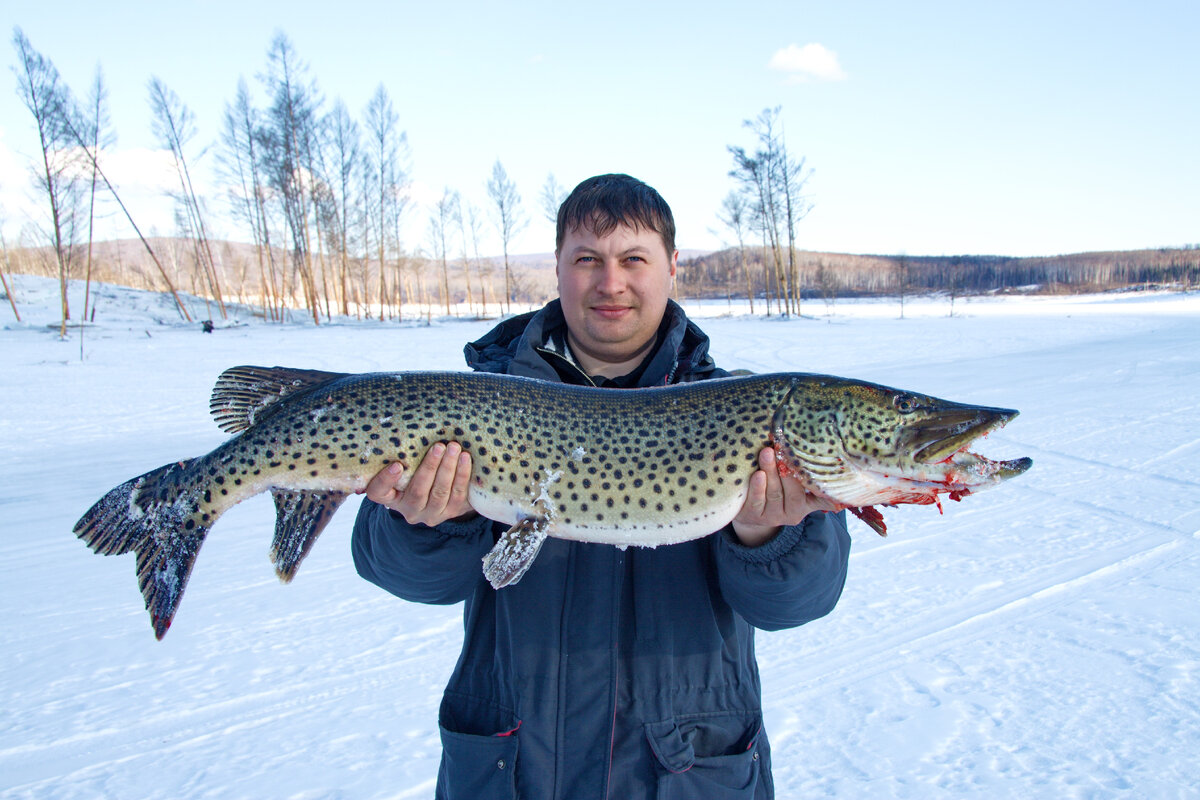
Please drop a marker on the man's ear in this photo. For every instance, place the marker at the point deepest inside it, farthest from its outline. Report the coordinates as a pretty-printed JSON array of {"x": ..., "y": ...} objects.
[{"x": 674, "y": 262}]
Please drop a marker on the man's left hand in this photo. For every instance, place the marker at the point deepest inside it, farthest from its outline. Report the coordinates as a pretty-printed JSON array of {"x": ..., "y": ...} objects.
[{"x": 773, "y": 502}]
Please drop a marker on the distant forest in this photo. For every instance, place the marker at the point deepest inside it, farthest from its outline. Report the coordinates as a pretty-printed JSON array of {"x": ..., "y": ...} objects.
[
  {"x": 737, "y": 272},
  {"x": 732, "y": 273}
]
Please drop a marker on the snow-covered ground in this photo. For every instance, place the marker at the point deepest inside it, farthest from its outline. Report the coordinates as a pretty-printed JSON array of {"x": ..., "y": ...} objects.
[{"x": 1041, "y": 640}]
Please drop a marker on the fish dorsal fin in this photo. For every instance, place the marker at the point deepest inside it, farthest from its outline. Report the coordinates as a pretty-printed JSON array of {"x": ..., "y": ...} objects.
[{"x": 243, "y": 395}]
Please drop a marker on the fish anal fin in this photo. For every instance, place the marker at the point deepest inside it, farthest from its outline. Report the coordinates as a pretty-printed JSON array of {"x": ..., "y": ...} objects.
[
  {"x": 243, "y": 395},
  {"x": 299, "y": 519},
  {"x": 515, "y": 551}
]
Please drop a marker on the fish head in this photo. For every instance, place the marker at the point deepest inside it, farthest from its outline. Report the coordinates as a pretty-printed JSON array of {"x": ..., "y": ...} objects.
[{"x": 861, "y": 444}]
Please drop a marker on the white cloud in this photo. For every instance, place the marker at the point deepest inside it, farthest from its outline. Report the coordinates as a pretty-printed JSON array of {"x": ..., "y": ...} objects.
[
  {"x": 808, "y": 62},
  {"x": 142, "y": 169}
]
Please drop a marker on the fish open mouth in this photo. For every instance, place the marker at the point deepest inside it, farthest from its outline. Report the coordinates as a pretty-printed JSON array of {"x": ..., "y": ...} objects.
[{"x": 946, "y": 436}]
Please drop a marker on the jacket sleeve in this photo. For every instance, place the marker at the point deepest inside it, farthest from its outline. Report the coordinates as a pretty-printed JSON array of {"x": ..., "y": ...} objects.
[
  {"x": 792, "y": 579},
  {"x": 418, "y": 563}
]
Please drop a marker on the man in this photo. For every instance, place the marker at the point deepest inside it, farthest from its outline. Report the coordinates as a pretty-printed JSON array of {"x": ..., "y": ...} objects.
[{"x": 604, "y": 673}]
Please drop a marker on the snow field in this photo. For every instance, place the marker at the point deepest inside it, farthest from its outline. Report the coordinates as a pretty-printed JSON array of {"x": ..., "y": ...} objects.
[{"x": 1039, "y": 640}]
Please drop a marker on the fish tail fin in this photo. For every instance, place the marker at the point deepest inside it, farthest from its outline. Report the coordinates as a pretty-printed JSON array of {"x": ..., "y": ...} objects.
[
  {"x": 162, "y": 518},
  {"x": 299, "y": 519}
]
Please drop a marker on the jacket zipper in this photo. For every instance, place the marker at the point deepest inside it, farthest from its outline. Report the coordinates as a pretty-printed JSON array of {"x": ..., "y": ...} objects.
[{"x": 614, "y": 665}]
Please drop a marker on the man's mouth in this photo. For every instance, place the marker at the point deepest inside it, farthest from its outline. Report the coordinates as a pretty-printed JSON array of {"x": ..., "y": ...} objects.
[{"x": 611, "y": 312}]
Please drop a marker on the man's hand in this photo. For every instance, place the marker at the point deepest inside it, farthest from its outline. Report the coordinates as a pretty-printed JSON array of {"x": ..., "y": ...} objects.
[
  {"x": 774, "y": 501},
  {"x": 436, "y": 492}
]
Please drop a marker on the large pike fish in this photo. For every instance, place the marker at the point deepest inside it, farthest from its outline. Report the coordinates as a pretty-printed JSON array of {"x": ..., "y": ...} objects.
[{"x": 642, "y": 467}]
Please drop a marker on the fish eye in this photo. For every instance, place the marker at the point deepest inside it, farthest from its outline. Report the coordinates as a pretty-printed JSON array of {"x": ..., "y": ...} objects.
[{"x": 905, "y": 403}]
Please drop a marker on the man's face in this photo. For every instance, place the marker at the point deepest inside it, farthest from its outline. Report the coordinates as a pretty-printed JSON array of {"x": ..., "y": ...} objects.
[{"x": 614, "y": 291}]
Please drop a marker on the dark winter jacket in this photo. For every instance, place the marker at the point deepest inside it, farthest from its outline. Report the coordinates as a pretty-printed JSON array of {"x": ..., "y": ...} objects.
[{"x": 606, "y": 673}]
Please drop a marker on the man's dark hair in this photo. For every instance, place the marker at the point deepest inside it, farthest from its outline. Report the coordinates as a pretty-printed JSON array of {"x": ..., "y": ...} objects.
[{"x": 602, "y": 203}]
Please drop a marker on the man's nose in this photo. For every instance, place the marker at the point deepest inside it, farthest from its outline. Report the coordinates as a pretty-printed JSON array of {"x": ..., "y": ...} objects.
[{"x": 610, "y": 278}]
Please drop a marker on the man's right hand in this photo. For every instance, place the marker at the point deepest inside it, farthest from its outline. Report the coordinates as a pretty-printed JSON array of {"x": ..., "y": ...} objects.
[{"x": 436, "y": 490}]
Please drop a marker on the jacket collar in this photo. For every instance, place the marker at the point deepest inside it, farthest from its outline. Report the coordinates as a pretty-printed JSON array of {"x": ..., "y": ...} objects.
[{"x": 534, "y": 345}]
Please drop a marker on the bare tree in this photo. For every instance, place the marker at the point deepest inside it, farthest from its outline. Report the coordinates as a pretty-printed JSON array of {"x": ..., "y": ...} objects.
[
  {"x": 827, "y": 284},
  {"x": 99, "y": 131},
  {"x": 345, "y": 139},
  {"x": 77, "y": 131},
  {"x": 441, "y": 220},
  {"x": 508, "y": 217},
  {"x": 903, "y": 275},
  {"x": 49, "y": 100},
  {"x": 243, "y": 176},
  {"x": 460, "y": 222},
  {"x": 12, "y": 300},
  {"x": 483, "y": 267},
  {"x": 174, "y": 125},
  {"x": 952, "y": 279},
  {"x": 773, "y": 182},
  {"x": 551, "y": 198},
  {"x": 289, "y": 130},
  {"x": 750, "y": 173},
  {"x": 397, "y": 209},
  {"x": 795, "y": 175},
  {"x": 734, "y": 215},
  {"x": 387, "y": 178}
]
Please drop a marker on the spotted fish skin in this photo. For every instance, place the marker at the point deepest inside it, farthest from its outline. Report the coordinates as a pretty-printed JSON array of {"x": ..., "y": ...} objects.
[{"x": 642, "y": 467}]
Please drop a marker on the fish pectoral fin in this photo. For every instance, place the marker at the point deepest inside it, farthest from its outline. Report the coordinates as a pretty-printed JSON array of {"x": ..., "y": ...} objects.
[
  {"x": 515, "y": 551},
  {"x": 871, "y": 517},
  {"x": 299, "y": 519}
]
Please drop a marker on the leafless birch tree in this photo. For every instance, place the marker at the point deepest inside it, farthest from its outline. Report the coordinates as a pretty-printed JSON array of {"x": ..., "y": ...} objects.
[
  {"x": 345, "y": 141},
  {"x": 441, "y": 223},
  {"x": 48, "y": 99},
  {"x": 241, "y": 172},
  {"x": 99, "y": 131},
  {"x": 388, "y": 181},
  {"x": 287, "y": 133},
  {"x": 483, "y": 267},
  {"x": 174, "y": 125},
  {"x": 734, "y": 215},
  {"x": 551, "y": 198},
  {"x": 509, "y": 219},
  {"x": 4, "y": 271},
  {"x": 773, "y": 183}
]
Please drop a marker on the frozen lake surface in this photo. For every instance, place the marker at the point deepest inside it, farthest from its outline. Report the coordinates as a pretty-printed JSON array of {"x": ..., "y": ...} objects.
[{"x": 1041, "y": 640}]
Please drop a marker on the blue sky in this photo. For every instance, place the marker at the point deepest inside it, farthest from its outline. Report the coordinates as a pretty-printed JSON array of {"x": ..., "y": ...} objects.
[{"x": 1016, "y": 128}]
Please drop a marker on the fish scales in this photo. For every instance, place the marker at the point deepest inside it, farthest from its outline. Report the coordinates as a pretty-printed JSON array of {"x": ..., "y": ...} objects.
[
  {"x": 643, "y": 467},
  {"x": 617, "y": 468}
]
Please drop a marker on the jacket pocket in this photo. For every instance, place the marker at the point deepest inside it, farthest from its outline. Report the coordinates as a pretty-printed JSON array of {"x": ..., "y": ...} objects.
[
  {"x": 711, "y": 756},
  {"x": 477, "y": 765}
]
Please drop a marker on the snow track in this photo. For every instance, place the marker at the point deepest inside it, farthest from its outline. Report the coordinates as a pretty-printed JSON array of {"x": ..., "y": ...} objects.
[{"x": 1040, "y": 640}]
